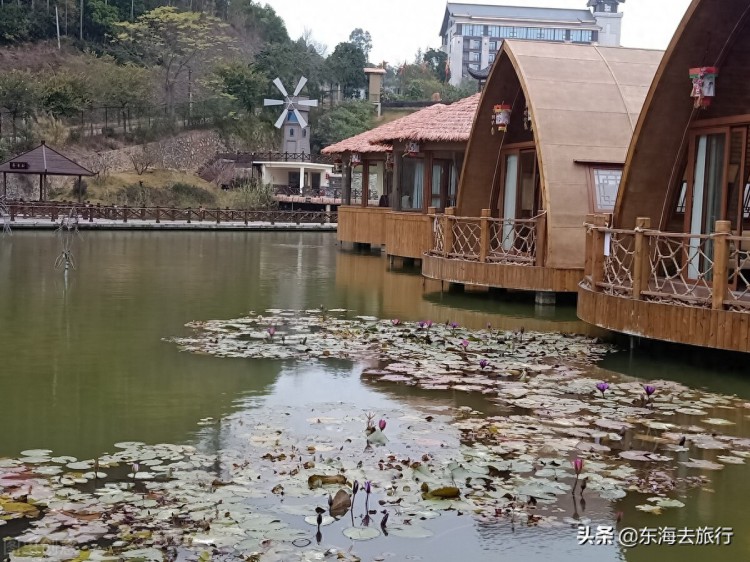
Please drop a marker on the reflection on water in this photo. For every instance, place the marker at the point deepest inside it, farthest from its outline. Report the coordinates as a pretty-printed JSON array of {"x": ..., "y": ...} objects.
[
  {"x": 372, "y": 287},
  {"x": 85, "y": 365}
]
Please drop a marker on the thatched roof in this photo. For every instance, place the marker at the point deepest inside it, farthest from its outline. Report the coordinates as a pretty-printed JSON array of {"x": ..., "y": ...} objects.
[
  {"x": 437, "y": 123},
  {"x": 584, "y": 102},
  {"x": 43, "y": 160},
  {"x": 660, "y": 142},
  {"x": 358, "y": 143},
  {"x": 434, "y": 123}
]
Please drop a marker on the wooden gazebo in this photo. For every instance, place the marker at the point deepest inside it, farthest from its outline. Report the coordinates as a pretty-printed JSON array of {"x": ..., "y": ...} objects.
[
  {"x": 42, "y": 161},
  {"x": 673, "y": 260},
  {"x": 547, "y": 148}
]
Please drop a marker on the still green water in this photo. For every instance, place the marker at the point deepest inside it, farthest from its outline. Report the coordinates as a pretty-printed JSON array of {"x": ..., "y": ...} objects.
[{"x": 84, "y": 363}]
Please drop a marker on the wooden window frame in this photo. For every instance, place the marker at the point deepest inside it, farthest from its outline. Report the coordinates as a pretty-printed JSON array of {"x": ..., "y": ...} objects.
[{"x": 591, "y": 183}]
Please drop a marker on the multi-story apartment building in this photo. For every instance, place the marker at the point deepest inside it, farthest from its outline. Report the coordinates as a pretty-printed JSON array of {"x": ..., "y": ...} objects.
[{"x": 472, "y": 33}]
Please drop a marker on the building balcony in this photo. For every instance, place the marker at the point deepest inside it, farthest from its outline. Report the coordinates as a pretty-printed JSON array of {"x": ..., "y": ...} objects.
[
  {"x": 490, "y": 252},
  {"x": 677, "y": 287}
]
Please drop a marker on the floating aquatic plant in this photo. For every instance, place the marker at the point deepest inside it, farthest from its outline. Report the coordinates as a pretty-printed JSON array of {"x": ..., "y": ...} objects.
[{"x": 602, "y": 387}]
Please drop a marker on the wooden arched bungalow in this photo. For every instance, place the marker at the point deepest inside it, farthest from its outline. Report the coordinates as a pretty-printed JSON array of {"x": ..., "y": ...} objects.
[
  {"x": 524, "y": 193},
  {"x": 423, "y": 154},
  {"x": 673, "y": 261}
]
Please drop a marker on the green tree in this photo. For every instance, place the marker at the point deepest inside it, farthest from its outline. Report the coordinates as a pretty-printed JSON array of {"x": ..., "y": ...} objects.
[
  {"x": 258, "y": 21},
  {"x": 174, "y": 42},
  {"x": 437, "y": 60},
  {"x": 346, "y": 66},
  {"x": 363, "y": 40},
  {"x": 19, "y": 95},
  {"x": 289, "y": 61},
  {"x": 341, "y": 122},
  {"x": 242, "y": 83},
  {"x": 99, "y": 19},
  {"x": 122, "y": 86},
  {"x": 64, "y": 94}
]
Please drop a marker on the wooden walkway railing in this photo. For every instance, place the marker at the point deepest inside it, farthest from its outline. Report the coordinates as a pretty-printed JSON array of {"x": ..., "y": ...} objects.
[
  {"x": 90, "y": 213},
  {"x": 680, "y": 269},
  {"x": 488, "y": 240}
]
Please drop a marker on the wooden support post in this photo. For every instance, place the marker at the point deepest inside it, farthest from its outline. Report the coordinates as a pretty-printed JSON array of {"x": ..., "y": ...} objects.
[
  {"x": 158, "y": 215},
  {"x": 448, "y": 218},
  {"x": 641, "y": 257},
  {"x": 484, "y": 235},
  {"x": 365, "y": 182},
  {"x": 218, "y": 215},
  {"x": 347, "y": 181},
  {"x": 427, "y": 181},
  {"x": 589, "y": 220},
  {"x": 188, "y": 214},
  {"x": 540, "y": 246},
  {"x": 721, "y": 264},
  {"x": 396, "y": 191},
  {"x": 5, "y": 184},
  {"x": 124, "y": 213}
]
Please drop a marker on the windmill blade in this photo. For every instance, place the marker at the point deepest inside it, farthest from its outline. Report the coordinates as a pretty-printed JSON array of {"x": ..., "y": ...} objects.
[
  {"x": 281, "y": 87},
  {"x": 300, "y": 119},
  {"x": 267, "y": 102},
  {"x": 300, "y": 85},
  {"x": 308, "y": 103},
  {"x": 282, "y": 118}
]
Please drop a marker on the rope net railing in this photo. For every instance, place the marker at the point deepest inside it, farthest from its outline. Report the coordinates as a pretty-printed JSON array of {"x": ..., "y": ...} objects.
[
  {"x": 508, "y": 241},
  {"x": 618, "y": 262},
  {"x": 513, "y": 241},
  {"x": 438, "y": 236},
  {"x": 738, "y": 295},
  {"x": 679, "y": 269}
]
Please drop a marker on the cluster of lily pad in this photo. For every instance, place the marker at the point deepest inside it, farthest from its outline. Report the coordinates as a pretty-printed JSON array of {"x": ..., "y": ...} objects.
[{"x": 278, "y": 492}]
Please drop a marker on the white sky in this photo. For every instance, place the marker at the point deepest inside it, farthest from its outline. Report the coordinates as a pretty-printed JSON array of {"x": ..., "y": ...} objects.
[{"x": 400, "y": 27}]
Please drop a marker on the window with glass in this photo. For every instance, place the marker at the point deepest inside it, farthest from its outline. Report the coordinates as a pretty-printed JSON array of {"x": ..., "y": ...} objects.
[
  {"x": 552, "y": 34},
  {"x": 412, "y": 184},
  {"x": 475, "y": 44},
  {"x": 474, "y": 56},
  {"x": 507, "y": 32},
  {"x": 493, "y": 30},
  {"x": 474, "y": 66},
  {"x": 493, "y": 46},
  {"x": 606, "y": 182},
  {"x": 581, "y": 35},
  {"x": 491, "y": 58},
  {"x": 473, "y": 30}
]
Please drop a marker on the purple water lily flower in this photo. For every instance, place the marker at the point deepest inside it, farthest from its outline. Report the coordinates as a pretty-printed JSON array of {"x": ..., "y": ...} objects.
[
  {"x": 464, "y": 344},
  {"x": 421, "y": 324},
  {"x": 602, "y": 386},
  {"x": 368, "y": 487},
  {"x": 381, "y": 425},
  {"x": 483, "y": 363},
  {"x": 395, "y": 321},
  {"x": 453, "y": 325},
  {"x": 271, "y": 332},
  {"x": 429, "y": 324},
  {"x": 649, "y": 389},
  {"x": 578, "y": 465}
]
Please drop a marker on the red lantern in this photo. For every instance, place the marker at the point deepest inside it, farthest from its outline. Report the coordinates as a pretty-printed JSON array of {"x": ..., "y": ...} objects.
[
  {"x": 704, "y": 85},
  {"x": 500, "y": 118}
]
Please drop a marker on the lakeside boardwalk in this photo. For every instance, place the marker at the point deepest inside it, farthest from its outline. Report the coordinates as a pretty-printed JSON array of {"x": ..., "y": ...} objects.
[
  {"x": 109, "y": 224},
  {"x": 22, "y": 215}
]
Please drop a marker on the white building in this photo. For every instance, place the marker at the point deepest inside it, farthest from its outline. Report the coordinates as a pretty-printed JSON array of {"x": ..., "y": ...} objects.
[{"x": 472, "y": 33}]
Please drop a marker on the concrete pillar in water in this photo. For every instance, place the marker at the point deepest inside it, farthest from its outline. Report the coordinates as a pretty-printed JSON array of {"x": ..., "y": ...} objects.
[{"x": 545, "y": 298}]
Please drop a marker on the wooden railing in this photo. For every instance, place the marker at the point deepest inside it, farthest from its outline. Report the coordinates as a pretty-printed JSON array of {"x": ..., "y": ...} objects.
[
  {"x": 488, "y": 240},
  {"x": 90, "y": 213},
  {"x": 706, "y": 271}
]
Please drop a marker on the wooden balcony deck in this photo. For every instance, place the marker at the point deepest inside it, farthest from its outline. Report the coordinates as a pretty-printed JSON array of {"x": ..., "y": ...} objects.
[
  {"x": 362, "y": 225},
  {"x": 502, "y": 253},
  {"x": 404, "y": 234},
  {"x": 675, "y": 287}
]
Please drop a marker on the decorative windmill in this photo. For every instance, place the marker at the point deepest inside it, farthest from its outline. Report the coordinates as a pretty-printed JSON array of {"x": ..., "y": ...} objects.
[{"x": 293, "y": 118}]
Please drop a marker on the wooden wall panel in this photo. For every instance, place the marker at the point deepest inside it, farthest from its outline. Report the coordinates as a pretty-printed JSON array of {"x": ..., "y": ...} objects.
[
  {"x": 363, "y": 225},
  {"x": 408, "y": 235},
  {"x": 502, "y": 276},
  {"x": 719, "y": 329}
]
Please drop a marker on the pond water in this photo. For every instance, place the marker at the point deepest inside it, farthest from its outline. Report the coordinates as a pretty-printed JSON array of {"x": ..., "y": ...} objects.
[{"x": 85, "y": 365}]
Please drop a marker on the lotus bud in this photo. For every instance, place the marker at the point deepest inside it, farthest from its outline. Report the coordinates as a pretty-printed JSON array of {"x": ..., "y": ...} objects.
[
  {"x": 649, "y": 390},
  {"x": 483, "y": 363},
  {"x": 395, "y": 321},
  {"x": 381, "y": 425},
  {"x": 271, "y": 331},
  {"x": 578, "y": 465},
  {"x": 355, "y": 488},
  {"x": 368, "y": 487}
]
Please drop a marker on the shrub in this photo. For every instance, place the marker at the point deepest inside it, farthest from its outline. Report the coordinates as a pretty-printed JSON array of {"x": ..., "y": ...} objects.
[{"x": 188, "y": 195}]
